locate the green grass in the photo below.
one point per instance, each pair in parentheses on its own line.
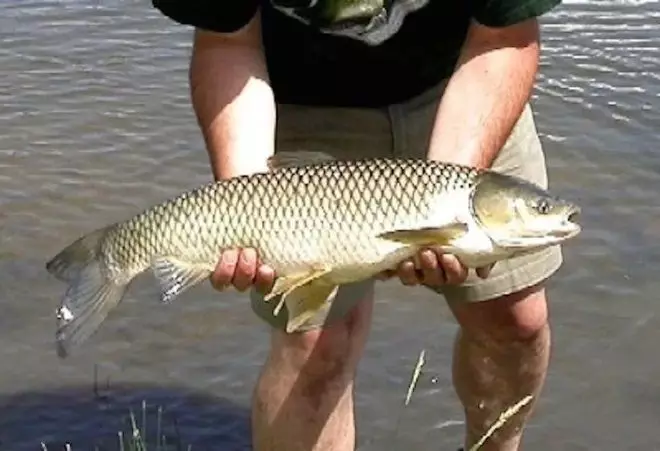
(501,420)
(136,436)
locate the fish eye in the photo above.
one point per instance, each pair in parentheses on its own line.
(543,206)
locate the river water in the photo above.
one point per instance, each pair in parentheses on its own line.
(96,123)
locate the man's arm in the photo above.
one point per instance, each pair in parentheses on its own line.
(481,104)
(233,100)
(487,93)
(235,109)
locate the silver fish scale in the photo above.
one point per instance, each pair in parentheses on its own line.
(326,214)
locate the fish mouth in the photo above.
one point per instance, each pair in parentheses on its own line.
(569,227)
(573,214)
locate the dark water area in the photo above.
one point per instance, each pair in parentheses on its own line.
(173,418)
(96,125)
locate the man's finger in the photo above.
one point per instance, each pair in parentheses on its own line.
(246,269)
(265,279)
(407,274)
(432,272)
(224,270)
(455,272)
(484,271)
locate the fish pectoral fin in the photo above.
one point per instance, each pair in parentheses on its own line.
(305,301)
(176,276)
(444,235)
(297,158)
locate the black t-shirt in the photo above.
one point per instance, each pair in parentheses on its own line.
(367,53)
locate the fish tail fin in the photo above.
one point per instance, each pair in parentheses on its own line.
(90,294)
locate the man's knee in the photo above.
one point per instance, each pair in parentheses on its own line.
(325,355)
(519,316)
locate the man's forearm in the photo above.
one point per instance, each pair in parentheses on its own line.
(486,95)
(233,102)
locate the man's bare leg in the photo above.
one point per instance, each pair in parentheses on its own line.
(501,355)
(303,400)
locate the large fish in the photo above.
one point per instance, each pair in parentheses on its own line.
(318,224)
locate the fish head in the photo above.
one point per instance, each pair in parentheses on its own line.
(517,214)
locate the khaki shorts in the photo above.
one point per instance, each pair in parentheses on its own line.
(404,130)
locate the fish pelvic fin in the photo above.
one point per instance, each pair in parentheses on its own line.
(305,302)
(298,158)
(427,236)
(304,294)
(91,293)
(176,276)
(285,285)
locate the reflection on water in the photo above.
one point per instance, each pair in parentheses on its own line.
(96,125)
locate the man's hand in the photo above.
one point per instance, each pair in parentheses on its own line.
(433,268)
(242,269)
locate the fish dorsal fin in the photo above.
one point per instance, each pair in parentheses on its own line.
(426,236)
(301,158)
(176,276)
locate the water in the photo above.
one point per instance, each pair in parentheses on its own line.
(96,123)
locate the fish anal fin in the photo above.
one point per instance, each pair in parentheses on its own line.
(444,235)
(176,276)
(297,158)
(304,302)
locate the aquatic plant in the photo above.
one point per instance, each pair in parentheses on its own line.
(137,438)
(499,423)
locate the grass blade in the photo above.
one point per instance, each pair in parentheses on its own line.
(501,421)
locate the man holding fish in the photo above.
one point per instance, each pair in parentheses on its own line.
(447,81)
